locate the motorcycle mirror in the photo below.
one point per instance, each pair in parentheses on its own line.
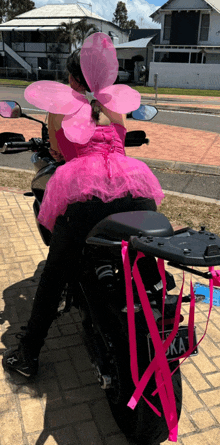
(145,113)
(10,108)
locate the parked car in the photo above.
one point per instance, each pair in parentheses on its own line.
(123,75)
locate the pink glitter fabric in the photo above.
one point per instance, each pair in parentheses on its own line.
(98,168)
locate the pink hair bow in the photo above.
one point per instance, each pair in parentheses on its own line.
(99,65)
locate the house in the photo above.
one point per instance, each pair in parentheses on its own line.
(30,41)
(188,54)
(138,49)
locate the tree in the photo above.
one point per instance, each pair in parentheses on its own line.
(120,17)
(2,10)
(13,8)
(83,30)
(75,33)
(66,33)
(131,24)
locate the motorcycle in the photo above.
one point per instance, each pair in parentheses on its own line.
(110,323)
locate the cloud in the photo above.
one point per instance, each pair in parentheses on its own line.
(138,10)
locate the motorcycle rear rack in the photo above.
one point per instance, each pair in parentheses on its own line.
(183,249)
(188,248)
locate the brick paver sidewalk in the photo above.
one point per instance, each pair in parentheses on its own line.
(64,405)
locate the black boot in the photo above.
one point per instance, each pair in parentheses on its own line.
(21,360)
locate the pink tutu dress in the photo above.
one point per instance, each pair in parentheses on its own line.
(98,168)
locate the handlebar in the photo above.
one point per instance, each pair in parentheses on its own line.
(35,144)
(15,146)
(136,138)
(133,139)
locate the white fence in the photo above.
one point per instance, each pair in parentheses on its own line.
(185,75)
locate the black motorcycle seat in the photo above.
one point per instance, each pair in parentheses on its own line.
(123,225)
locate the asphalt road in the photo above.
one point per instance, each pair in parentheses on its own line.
(196,121)
(180,119)
(16,160)
(207,186)
(16,94)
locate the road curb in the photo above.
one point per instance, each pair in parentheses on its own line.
(16,170)
(195,197)
(181,166)
(186,109)
(156,163)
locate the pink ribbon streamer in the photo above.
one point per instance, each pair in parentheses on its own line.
(159,364)
(131,322)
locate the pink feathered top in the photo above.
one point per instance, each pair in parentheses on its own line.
(98,168)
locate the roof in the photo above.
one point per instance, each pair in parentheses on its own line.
(140,43)
(135,34)
(48,17)
(215,4)
(60,11)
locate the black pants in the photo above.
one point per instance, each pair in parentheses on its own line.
(62,262)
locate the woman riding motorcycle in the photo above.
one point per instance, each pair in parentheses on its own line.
(87,127)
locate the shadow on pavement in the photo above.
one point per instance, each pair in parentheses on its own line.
(65,393)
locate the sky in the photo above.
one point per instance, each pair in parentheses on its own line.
(138,10)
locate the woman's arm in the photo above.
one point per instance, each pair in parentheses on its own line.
(115,118)
(54,124)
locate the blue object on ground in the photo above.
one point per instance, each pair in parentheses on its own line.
(202,289)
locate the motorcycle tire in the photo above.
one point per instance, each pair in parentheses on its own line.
(141,425)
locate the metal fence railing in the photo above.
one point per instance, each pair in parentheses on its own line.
(37,74)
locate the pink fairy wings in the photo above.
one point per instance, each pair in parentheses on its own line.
(54,97)
(99,65)
(98,60)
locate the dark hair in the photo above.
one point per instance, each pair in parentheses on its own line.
(74,68)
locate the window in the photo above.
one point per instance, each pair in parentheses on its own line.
(167,27)
(204,30)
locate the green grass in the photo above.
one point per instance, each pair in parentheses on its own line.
(14,82)
(178,91)
(141,89)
